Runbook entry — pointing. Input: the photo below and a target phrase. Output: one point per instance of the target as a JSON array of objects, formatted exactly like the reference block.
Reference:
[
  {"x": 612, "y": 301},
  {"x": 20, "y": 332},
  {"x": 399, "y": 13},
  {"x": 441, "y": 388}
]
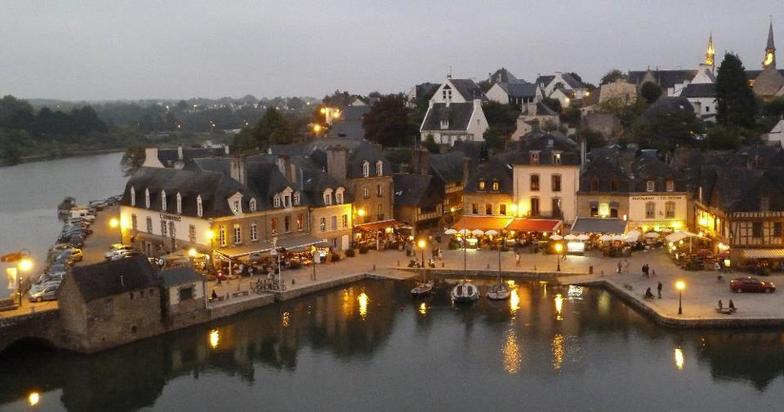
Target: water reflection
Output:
[
  {"x": 422, "y": 309},
  {"x": 558, "y": 306},
  {"x": 557, "y": 348},
  {"x": 285, "y": 319},
  {"x": 363, "y": 305},
  {"x": 214, "y": 338},
  {"x": 514, "y": 301},
  {"x": 511, "y": 353},
  {"x": 679, "y": 358}
]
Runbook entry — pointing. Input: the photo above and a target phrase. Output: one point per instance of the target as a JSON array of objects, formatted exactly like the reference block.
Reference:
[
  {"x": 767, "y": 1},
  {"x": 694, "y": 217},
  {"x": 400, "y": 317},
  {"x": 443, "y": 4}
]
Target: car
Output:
[
  {"x": 59, "y": 247},
  {"x": 752, "y": 285},
  {"x": 115, "y": 249},
  {"x": 126, "y": 254},
  {"x": 47, "y": 293},
  {"x": 44, "y": 283},
  {"x": 56, "y": 268}
]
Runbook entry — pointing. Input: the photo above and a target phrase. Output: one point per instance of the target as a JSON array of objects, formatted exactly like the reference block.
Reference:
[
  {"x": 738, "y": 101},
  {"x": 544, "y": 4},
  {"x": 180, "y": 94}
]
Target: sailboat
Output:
[
  {"x": 498, "y": 290},
  {"x": 423, "y": 288},
  {"x": 465, "y": 292}
]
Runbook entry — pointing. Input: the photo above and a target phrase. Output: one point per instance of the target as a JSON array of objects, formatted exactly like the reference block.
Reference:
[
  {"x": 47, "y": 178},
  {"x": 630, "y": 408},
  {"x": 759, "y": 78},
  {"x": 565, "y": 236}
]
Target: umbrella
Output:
[
  {"x": 632, "y": 236},
  {"x": 450, "y": 232},
  {"x": 464, "y": 231},
  {"x": 570, "y": 237},
  {"x": 491, "y": 232},
  {"x": 477, "y": 232},
  {"x": 605, "y": 238},
  {"x": 556, "y": 237},
  {"x": 583, "y": 237},
  {"x": 618, "y": 237},
  {"x": 652, "y": 235}
]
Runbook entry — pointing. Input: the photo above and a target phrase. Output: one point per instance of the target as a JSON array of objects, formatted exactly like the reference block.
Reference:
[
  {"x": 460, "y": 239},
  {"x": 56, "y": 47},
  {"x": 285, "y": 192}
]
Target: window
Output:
[
  {"x": 172, "y": 230},
  {"x": 777, "y": 229},
  {"x": 235, "y": 207},
  {"x": 300, "y": 222},
  {"x": 334, "y": 222},
  {"x": 365, "y": 169},
  {"x": 756, "y": 229},
  {"x": 149, "y": 225},
  {"x": 199, "y": 208},
  {"x": 274, "y": 225},
  {"x": 237, "y": 234},
  {"x": 482, "y": 184},
  {"x": 534, "y": 206},
  {"x": 147, "y": 198},
  {"x": 192, "y": 233},
  {"x": 613, "y": 185},
  {"x": 556, "y": 207},
  {"x": 163, "y": 200},
  {"x": 185, "y": 293},
  {"x": 488, "y": 208},
  {"x": 556, "y": 158},
  {"x": 133, "y": 196},
  {"x": 323, "y": 224},
  {"x": 365, "y": 192},
  {"x": 134, "y": 223},
  {"x": 252, "y": 205},
  {"x": 669, "y": 185},
  {"x": 276, "y": 201},
  {"x": 378, "y": 191},
  {"x": 534, "y": 157},
  {"x": 650, "y": 186},
  {"x": 222, "y": 236},
  {"x": 495, "y": 185},
  {"x": 287, "y": 224},
  {"x": 474, "y": 208},
  {"x": 380, "y": 212},
  {"x": 556, "y": 183},
  {"x": 669, "y": 210},
  {"x": 296, "y": 199},
  {"x": 163, "y": 228},
  {"x": 339, "y": 196},
  {"x": 379, "y": 168},
  {"x": 650, "y": 210},
  {"x": 534, "y": 183},
  {"x": 254, "y": 232},
  {"x": 179, "y": 203},
  {"x": 502, "y": 209},
  {"x": 328, "y": 197},
  {"x": 594, "y": 209},
  {"x": 345, "y": 221}
]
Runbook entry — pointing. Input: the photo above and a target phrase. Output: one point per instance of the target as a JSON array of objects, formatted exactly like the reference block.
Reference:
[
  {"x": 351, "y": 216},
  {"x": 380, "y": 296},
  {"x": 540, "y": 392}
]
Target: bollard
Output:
[
  {"x": 398, "y": 263},
  {"x": 292, "y": 281},
  {"x": 590, "y": 270},
  {"x": 488, "y": 266},
  {"x": 442, "y": 264}
]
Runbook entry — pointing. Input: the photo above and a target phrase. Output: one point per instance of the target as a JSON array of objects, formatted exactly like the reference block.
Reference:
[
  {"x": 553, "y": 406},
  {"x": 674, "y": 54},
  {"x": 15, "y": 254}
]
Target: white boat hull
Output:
[{"x": 465, "y": 293}]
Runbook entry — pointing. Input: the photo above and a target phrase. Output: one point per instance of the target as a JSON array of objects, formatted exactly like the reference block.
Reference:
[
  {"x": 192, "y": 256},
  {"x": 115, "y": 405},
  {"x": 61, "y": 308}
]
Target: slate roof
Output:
[
  {"x": 179, "y": 276},
  {"x": 475, "y": 151},
  {"x": 573, "y": 80},
  {"x": 544, "y": 80},
  {"x": 546, "y": 144},
  {"x": 607, "y": 166},
  {"x": 753, "y": 74},
  {"x": 169, "y": 156},
  {"x": 665, "y": 78},
  {"x": 768, "y": 82},
  {"x": 350, "y": 123},
  {"x": 371, "y": 153},
  {"x": 699, "y": 90},
  {"x": 412, "y": 190},
  {"x": 468, "y": 89},
  {"x": 112, "y": 278},
  {"x": 458, "y": 115},
  {"x": 540, "y": 109},
  {"x": 496, "y": 169},
  {"x": 519, "y": 89},
  {"x": 668, "y": 105},
  {"x": 502, "y": 75},
  {"x": 448, "y": 167},
  {"x": 425, "y": 91}
]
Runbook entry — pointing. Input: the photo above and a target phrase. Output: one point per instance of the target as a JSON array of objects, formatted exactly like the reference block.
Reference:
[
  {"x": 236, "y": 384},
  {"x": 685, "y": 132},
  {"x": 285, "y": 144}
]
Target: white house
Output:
[
  {"x": 515, "y": 93},
  {"x": 457, "y": 91},
  {"x": 451, "y": 122},
  {"x": 569, "y": 82},
  {"x": 775, "y": 136}
]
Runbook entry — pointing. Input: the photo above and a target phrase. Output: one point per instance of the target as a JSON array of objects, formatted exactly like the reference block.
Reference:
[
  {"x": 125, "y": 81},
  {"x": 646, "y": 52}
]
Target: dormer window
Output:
[
  {"x": 276, "y": 201},
  {"x": 328, "y": 197},
  {"x": 296, "y": 199},
  {"x": 534, "y": 157},
  {"x": 147, "y": 198},
  {"x": 446, "y": 92},
  {"x": 179, "y": 203},
  {"x": 557, "y": 158},
  {"x": 379, "y": 168},
  {"x": 252, "y": 205},
  {"x": 482, "y": 184},
  {"x": 133, "y": 196},
  {"x": 365, "y": 169},
  {"x": 199, "y": 207},
  {"x": 444, "y": 124},
  {"x": 495, "y": 185},
  {"x": 163, "y": 200},
  {"x": 339, "y": 196},
  {"x": 235, "y": 207},
  {"x": 650, "y": 186},
  {"x": 670, "y": 185}
]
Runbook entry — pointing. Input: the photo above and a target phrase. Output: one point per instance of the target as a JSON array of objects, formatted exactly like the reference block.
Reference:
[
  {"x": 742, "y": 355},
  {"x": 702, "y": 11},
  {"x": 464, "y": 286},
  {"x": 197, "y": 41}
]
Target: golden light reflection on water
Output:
[
  {"x": 363, "y": 304},
  {"x": 558, "y": 306},
  {"x": 679, "y": 359},
  {"x": 214, "y": 338},
  {"x": 513, "y": 359},
  {"x": 348, "y": 302},
  {"x": 604, "y": 303},
  {"x": 514, "y": 301},
  {"x": 422, "y": 308},
  {"x": 33, "y": 398},
  {"x": 285, "y": 319},
  {"x": 557, "y": 348}
]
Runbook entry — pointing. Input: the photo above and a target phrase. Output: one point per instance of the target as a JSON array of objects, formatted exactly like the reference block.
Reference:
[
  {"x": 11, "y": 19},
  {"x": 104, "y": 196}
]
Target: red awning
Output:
[
  {"x": 376, "y": 226},
  {"x": 482, "y": 223},
  {"x": 534, "y": 225}
]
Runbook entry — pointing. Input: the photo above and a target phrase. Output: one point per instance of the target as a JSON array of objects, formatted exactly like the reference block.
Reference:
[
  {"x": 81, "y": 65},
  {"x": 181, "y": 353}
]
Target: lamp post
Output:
[
  {"x": 422, "y": 244},
  {"x": 114, "y": 223},
  {"x": 313, "y": 251},
  {"x": 558, "y": 248},
  {"x": 680, "y": 285}
]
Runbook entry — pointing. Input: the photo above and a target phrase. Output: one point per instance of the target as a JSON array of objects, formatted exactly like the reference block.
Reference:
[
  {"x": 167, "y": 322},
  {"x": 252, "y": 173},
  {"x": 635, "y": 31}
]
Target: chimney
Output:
[
  {"x": 284, "y": 165},
  {"x": 179, "y": 152},
  {"x": 420, "y": 162},
  {"x": 337, "y": 163},
  {"x": 151, "y": 157},
  {"x": 238, "y": 172}
]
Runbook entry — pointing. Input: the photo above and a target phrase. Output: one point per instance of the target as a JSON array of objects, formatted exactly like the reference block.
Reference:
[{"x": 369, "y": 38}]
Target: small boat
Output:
[
  {"x": 465, "y": 292},
  {"x": 498, "y": 291},
  {"x": 422, "y": 289}
]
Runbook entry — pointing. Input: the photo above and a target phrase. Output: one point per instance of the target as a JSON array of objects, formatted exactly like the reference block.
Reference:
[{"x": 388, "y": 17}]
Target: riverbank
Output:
[{"x": 61, "y": 155}]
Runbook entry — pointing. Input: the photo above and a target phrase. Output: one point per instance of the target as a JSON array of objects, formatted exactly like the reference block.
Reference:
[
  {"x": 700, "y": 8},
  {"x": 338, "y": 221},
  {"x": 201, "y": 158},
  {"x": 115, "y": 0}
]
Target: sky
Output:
[{"x": 101, "y": 50}]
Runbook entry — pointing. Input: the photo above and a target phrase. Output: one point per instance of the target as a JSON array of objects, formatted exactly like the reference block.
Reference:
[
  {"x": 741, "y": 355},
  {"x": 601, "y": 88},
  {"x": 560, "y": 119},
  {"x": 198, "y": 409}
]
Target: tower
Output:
[
  {"x": 710, "y": 52},
  {"x": 770, "y": 50}
]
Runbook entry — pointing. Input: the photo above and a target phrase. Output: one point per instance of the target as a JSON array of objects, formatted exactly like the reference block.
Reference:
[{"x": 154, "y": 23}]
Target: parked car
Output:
[
  {"x": 47, "y": 293},
  {"x": 56, "y": 268},
  {"x": 122, "y": 254},
  {"x": 115, "y": 249},
  {"x": 750, "y": 284}
]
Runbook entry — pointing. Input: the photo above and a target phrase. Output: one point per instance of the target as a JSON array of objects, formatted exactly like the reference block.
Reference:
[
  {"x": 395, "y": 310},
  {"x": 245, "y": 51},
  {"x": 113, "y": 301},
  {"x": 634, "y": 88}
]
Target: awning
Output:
[
  {"x": 254, "y": 247},
  {"x": 680, "y": 235},
  {"x": 598, "y": 225},
  {"x": 482, "y": 223},
  {"x": 376, "y": 226},
  {"x": 763, "y": 253},
  {"x": 300, "y": 243},
  {"x": 534, "y": 225}
]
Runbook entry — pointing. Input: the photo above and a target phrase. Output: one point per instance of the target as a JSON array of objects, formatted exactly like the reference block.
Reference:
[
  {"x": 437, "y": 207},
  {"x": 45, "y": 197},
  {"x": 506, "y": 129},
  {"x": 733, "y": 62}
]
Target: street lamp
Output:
[
  {"x": 313, "y": 251},
  {"x": 558, "y": 249},
  {"x": 422, "y": 243},
  {"x": 680, "y": 285}
]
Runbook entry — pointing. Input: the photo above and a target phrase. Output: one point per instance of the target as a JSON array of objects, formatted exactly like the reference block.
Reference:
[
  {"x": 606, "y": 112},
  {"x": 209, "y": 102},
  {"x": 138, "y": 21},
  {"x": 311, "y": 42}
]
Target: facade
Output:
[
  {"x": 458, "y": 91},
  {"x": 569, "y": 83},
  {"x": 450, "y": 122},
  {"x": 534, "y": 117},
  {"x": 620, "y": 91},
  {"x": 490, "y": 189},
  {"x": 515, "y": 93},
  {"x": 417, "y": 201}
]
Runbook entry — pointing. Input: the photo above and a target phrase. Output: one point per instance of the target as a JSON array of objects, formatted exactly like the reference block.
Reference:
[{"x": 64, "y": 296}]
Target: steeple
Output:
[
  {"x": 710, "y": 52},
  {"x": 770, "y": 50}
]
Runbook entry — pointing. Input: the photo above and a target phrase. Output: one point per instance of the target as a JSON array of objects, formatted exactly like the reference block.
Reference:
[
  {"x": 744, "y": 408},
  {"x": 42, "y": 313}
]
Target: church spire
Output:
[
  {"x": 770, "y": 49},
  {"x": 710, "y": 52}
]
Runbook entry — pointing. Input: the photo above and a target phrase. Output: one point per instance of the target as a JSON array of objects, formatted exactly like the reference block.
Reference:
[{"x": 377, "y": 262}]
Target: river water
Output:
[
  {"x": 369, "y": 347},
  {"x": 30, "y": 193}
]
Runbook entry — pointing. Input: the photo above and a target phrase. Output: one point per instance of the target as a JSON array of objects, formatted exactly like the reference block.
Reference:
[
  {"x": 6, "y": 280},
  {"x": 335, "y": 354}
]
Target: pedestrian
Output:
[
  {"x": 716, "y": 266},
  {"x": 214, "y": 295},
  {"x": 517, "y": 258},
  {"x": 732, "y": 305},
  {"x": 653, "y": 273},
  {"x": 619, "y": 266},
  {"x": 659, "y": 289},
  {"x": 721, "y": 306}
]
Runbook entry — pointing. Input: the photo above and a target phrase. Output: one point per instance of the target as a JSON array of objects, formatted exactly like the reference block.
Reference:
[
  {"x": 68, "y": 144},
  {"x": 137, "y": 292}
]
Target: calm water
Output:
[
  {"x": 30, "y": 193},
  {"x": 336, "y": 351}
]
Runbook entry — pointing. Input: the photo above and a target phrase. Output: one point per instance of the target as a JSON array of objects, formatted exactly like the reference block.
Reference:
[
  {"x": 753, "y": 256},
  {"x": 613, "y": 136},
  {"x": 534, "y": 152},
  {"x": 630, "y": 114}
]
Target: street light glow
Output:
[
  {"x": 421, "y": 243},
  {"x": 361, "y": 212},
  {"x": 192, "y": 252},
  {"x": 680, "y": 285},
  {"x": 209, "y": 234},
  {"x": 33, "y": 398},
  {"x": 558, "y": 247},
  {"x": 113, "y": 223},
  {"x": 214, "y": 338},
  {"x": 26, "y": 264}
]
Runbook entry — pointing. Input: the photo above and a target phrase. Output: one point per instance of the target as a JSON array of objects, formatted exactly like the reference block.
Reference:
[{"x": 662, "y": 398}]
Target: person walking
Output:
[
  {"x": 619, "y": 266},
  {"x": 517, "y": 258},
  {"x": 659, "y": 289}
]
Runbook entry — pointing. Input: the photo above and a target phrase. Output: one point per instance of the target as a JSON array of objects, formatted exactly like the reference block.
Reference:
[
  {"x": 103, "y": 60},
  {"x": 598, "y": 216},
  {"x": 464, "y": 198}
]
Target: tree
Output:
[
  {"x": 736, "y": 103},
  {"x": 388, "y": 123},
  {"x": 593, "y": 139},
  {"x": 430, "y": 144},
  {"x": 667, "y": 130},
  {"x": 611, "y": 76},
  {"x": 132, "y": 159},
  {"x": 495, "y": 139},
  {"x": 553, "y": 104},
  {"x": 650, "y": 92},
  {"x": 272, "y": 128},
  {"x": 723, "y": 138}
]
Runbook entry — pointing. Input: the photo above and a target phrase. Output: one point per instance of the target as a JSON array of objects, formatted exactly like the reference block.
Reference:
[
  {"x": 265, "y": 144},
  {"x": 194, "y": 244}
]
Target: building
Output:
[
  {"x": 349, "y": 124},
  {"x": 566, "y": 87},
  {"x": 515, "y": 93},
  {"x": 490, "y": 189},
  {"x": 179, "y": 156},
  {"x": 183, "y": 293},
  {"x": 770, "y": 82},
  {"x": 620, "y": 92},
  {"x": 421, "y": 93},
  {"x": 449, "y": 122},
  {"x": 457, "y": 91},
  {"x": 535, "y": 117},
  {"x": 418, "y": 202}
]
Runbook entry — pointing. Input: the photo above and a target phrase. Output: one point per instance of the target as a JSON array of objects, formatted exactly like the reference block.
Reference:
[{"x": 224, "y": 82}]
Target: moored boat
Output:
[
  {"x": 498, "y": 291},
  {"x": 465, "y": 292},
  {"x": 422, "y": 289}
]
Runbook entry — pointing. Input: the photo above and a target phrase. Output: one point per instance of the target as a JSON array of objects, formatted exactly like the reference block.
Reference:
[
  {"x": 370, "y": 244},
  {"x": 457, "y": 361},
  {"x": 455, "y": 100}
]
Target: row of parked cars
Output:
[
  {"x": 60, "y": 259},
  {"x": 119, "y": 251}
]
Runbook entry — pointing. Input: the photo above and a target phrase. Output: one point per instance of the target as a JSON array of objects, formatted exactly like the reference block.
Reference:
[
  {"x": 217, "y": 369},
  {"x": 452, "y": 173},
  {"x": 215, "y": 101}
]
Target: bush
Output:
[{"x": 350, "y": 253}]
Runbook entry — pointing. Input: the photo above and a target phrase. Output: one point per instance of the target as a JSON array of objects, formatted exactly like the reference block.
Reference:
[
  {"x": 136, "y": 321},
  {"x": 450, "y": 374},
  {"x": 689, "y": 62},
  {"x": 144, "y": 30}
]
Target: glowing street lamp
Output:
[
  {"x": 114, "y": 223},
  {"x": 680, "y": 285},
  {"x": 422, "y": 244},
  {"x": 33, "y": 398},
  {"x": 558, "y": 249},
  {"x": 192, "y": 252}
]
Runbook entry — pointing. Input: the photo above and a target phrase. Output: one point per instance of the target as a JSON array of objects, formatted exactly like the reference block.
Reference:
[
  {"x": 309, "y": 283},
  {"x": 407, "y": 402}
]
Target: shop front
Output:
[{"x": 385, "y": 234}]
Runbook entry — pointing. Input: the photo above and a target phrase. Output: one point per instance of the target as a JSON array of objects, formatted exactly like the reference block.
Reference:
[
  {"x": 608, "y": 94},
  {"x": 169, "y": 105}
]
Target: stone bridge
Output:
[{"x": 39, "y": 326}]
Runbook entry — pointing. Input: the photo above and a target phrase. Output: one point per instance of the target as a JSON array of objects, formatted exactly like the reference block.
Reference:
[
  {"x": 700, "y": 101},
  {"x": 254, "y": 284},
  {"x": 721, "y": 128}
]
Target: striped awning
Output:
[
  {"x": 763, "y": 253},
  {"x": 482, "y": 223}
]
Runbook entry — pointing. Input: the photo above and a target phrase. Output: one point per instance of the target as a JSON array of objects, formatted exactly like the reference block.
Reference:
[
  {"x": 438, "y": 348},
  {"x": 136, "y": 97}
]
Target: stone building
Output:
[{"x": 184, "y": 294}]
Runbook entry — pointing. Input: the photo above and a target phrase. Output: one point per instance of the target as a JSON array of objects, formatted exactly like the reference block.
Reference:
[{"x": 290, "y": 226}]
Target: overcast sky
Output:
[{"x": 113, "y": 49}]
